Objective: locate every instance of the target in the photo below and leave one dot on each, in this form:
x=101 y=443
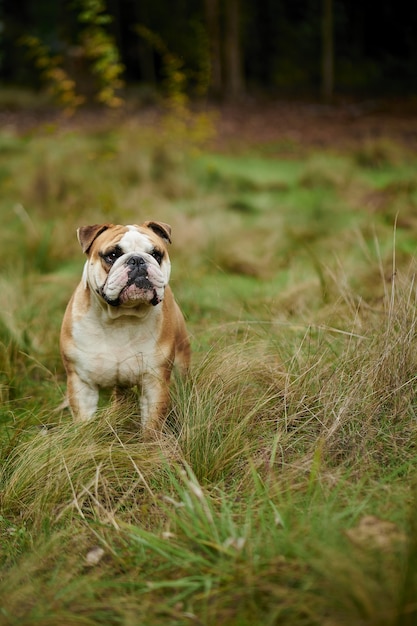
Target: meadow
x=283 y=488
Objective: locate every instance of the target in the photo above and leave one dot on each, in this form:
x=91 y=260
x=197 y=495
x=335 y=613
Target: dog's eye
x=111 y=256
x=157 y=255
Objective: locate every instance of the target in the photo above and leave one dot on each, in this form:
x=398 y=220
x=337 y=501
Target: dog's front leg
x=82 y=398
x=154 y=402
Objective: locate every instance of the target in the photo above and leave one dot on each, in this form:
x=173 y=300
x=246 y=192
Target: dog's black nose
x=137 y=269
x=136 y=261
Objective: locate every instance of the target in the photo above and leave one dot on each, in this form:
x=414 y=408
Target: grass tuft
x=221 y=412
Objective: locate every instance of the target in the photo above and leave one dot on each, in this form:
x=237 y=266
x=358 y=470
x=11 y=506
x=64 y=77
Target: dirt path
x=284 y=123
x=318 y=125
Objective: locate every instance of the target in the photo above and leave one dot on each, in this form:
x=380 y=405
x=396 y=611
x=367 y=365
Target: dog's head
x=127 y=266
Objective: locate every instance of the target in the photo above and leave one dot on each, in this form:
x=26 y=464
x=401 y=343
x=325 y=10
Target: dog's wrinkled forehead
x=128 y=239
x=135 y=241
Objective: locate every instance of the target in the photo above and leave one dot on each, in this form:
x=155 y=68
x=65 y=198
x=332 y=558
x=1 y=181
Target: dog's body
x=122 y=326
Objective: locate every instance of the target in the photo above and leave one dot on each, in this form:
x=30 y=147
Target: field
x=283 y=488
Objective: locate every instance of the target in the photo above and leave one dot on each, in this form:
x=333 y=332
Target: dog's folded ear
x=161 y=229
x=87 y=234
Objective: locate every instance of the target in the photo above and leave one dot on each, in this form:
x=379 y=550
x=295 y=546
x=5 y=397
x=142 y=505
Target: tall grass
x=282 y=489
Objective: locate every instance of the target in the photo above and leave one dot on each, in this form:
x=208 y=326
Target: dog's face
x=127 y=266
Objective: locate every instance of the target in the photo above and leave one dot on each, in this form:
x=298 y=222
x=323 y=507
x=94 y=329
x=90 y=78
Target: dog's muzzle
x=135 y=284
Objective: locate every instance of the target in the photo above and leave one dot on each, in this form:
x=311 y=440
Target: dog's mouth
x=137 y=289
x=133 y=294
x=133 y=282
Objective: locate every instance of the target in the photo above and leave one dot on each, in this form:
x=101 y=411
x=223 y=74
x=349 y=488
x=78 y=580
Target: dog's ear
x=87 y=234
x=161 y=229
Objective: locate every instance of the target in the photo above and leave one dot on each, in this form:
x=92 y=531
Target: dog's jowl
x=122 y=327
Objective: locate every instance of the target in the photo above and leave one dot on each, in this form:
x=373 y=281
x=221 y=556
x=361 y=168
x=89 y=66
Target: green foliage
x=175 y=77
x=101 y=51
x=98 y=48
x=60 y=85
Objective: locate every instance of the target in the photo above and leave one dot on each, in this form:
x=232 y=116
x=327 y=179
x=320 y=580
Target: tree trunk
x=327 y=58
x=144 y=51
x=213 y=30
x=232 y=51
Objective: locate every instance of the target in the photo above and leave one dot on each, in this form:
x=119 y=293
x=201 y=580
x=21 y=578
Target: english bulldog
x=122 y=326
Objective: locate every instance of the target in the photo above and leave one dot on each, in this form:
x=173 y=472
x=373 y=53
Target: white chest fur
x=111 y=352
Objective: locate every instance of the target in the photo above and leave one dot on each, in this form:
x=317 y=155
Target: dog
x=122 y=327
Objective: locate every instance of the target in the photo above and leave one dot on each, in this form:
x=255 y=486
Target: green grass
x=283 y=489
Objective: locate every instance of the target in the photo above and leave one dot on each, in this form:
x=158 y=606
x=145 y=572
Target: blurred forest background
x=226 y=49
